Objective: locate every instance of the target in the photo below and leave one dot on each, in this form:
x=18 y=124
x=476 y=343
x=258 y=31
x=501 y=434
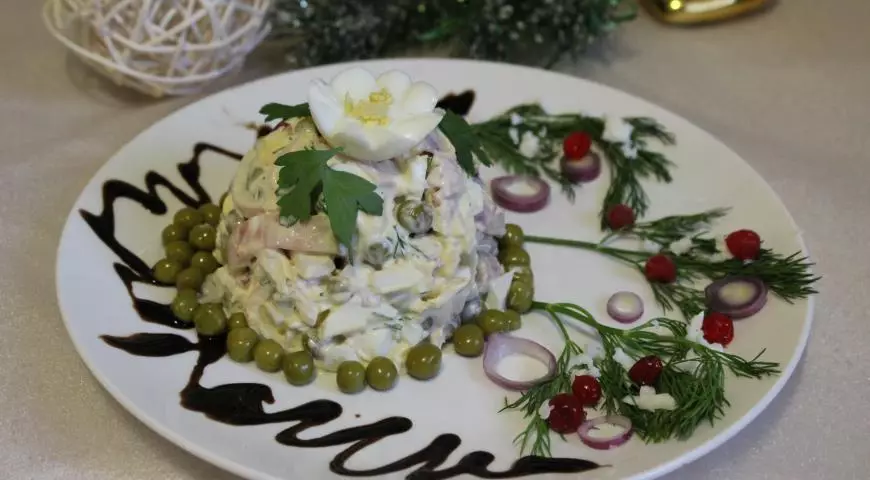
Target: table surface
x=786 y=89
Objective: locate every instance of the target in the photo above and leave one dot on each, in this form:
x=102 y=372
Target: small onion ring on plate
x=737 y=297
x=520 y=193
x=605 y=443
x=500 y=345
x=584 y=169
x=625 y=307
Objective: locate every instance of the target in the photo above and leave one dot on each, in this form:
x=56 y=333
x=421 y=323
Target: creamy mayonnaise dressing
x=299 y=288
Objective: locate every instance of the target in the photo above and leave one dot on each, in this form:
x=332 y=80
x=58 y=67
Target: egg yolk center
x=371 y=111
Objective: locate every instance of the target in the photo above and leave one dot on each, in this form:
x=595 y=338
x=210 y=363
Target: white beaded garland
x=160 y=47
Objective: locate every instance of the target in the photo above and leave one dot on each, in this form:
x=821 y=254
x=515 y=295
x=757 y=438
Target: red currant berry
x=660 y=268
x=566 y=413
x=619 y=216
x=718 y=328
x=743 y=244
x=576 y=145
x=587 y=389
x=646 y=370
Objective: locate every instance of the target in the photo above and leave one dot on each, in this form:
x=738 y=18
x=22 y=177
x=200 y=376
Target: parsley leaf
x=301 y=174
x=304 y=173
x=277 y=111
x=345 y=195
x=466 y=143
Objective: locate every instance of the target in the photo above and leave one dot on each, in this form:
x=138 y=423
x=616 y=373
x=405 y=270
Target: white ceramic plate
x=461 y=400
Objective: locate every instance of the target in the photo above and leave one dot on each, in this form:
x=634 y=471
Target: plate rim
x=206 y=455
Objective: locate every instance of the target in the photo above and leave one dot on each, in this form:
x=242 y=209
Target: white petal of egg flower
x=374 y=119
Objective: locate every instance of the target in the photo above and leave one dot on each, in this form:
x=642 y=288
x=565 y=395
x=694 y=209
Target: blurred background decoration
x=533 y=32
x=160 y=47
x=171 y=47
x=176 y=47
x=692 y=12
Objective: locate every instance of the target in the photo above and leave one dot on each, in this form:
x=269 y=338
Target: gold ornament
x=686 y=12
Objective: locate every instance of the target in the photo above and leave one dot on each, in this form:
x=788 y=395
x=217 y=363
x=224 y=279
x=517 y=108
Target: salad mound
x=413 y=273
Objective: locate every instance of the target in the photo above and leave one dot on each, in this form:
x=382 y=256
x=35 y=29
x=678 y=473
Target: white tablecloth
x=788 y=90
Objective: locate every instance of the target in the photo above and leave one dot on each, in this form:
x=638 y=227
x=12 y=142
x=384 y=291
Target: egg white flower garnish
x=374 y=119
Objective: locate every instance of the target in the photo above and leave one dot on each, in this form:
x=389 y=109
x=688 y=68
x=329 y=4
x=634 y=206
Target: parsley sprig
x=696 y=382
x=278 y=111
x=467 y=145
x=304 y=175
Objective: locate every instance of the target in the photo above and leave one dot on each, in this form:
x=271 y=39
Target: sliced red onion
x=605 y=443
x=737 y=297
x=520 y=193
x=625 y=307
x=500 y=345
x=583 y=169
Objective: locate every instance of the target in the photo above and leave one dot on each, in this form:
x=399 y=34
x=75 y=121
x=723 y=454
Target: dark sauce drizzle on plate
x=242 y=403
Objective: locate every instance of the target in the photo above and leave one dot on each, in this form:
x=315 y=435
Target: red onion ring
x=625 y=307
x=500 y=345
x=737 y=297
x=608 y=442
x=584 y=169
x=520 y=202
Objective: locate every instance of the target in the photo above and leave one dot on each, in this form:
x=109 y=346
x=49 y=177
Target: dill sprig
x=786 y=276
x=551 y=129
x=626 y=173
x=536 y=436
x=696 y=382
x=667 y=230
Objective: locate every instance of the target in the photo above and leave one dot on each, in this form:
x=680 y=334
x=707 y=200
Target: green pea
x=468 y=340
x=268 y=355
x=514 y=256
x=381 y=374
x=351 y=377
x=166 y=271
x=337 y=287
x=515 y=320
x=377 y=253
x=492 y=321
x=202 y=237
x=423 y=361
x=184 y=305
x=187 y=218
x=179 y=251
x=211 y=214
x=204 y=261
x=174 y=233
x=241 y=343
x=414 y=215
x=299 y=368
x=237 y=320
x=190 y=277
x=210 y=319
x=522 y=273
x=520 y=296
x=513 y=236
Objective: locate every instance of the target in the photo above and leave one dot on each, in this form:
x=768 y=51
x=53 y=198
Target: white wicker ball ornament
x=160 y=47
